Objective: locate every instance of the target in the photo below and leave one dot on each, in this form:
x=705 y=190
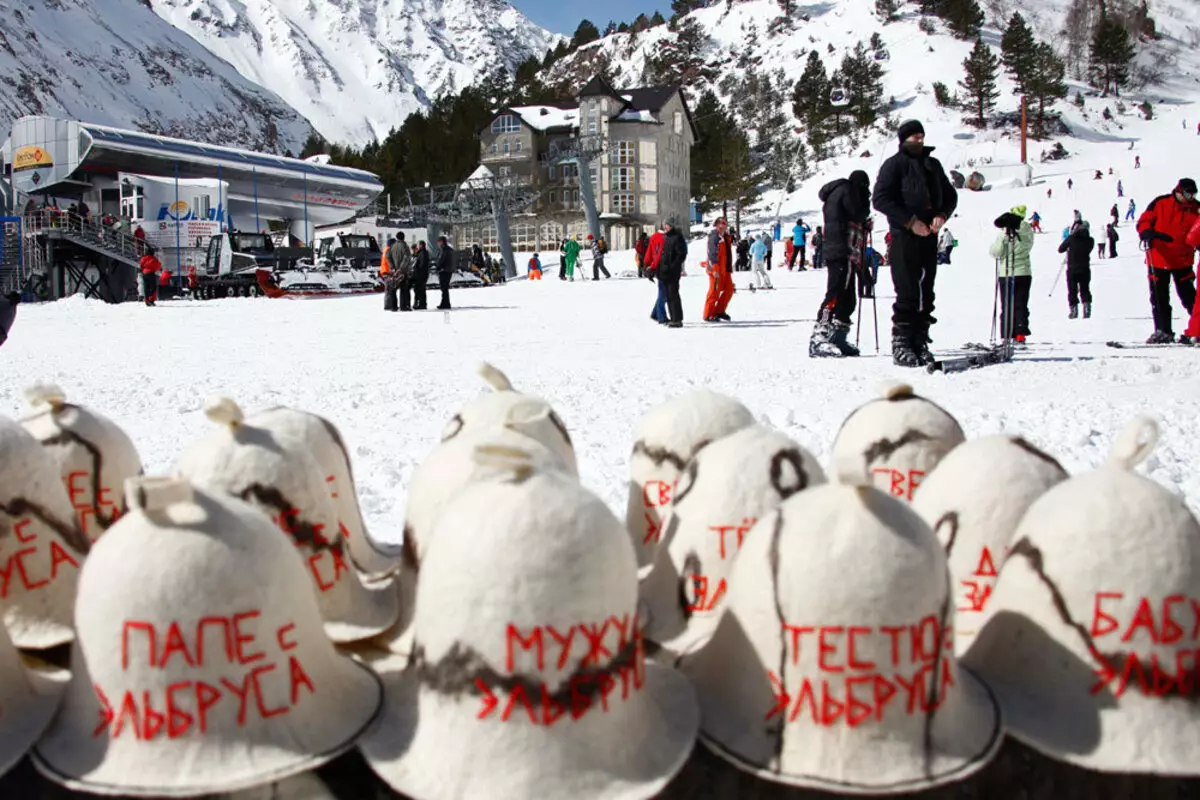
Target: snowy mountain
x=357 y=68
x=114 y=62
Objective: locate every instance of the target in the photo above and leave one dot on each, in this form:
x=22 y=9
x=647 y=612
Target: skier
x=1115 y=213
x=1012 y=249
x=799 y=237
x=720 y=283
x=743 y=254
x=150 y=265
x=759 y=252
x=653 y=257
x=1163 y=228
x=1099 y=247
x=445 y=268
x=477 y=262
x=1120 y=189
x=1129 y=212
x=1078 y=247
x=770 y=251
x=670 y=269
x=1137 y=161
x=598 y=250
x=570 y=258
x=562 y=260
x=847 y=203
x=1049 y=193
x=8 y=313
x=535 y=268
x=1113 y=238
x=945 y=245
x=1191 y=335
x=420 y=279
x=1036 y=222
x=1070 y=183
x=639 y=250
x=818 y=246
x=917 y=198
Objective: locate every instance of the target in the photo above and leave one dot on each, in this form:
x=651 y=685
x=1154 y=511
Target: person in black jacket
x=445 y=268
x=8 y=313
x=1078 y=247
x=670 y=269
x=917 y=198
x=847 y=206
x=420 y=276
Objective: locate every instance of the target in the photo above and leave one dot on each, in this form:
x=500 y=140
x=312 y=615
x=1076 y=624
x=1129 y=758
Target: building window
x=595 y=173
x=622 y=179
x=622 y=202
x=623 y=152
x=505 y=172
x=593 y=118
x=552 y=235
x=495 y=147
x=550 y=198
x=517 y=148
x=576 y=197
x=552 y=171
x=524 y=236
x=506 y=123
x=506 y=145
x=679 y=122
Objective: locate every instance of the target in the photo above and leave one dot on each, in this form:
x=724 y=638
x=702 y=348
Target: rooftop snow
x=542 y=118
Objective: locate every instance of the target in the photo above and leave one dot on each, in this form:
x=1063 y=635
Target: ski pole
x=995 y=303
x=1058 y=277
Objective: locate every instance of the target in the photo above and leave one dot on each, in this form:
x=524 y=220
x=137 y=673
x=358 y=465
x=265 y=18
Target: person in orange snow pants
x=720 y=281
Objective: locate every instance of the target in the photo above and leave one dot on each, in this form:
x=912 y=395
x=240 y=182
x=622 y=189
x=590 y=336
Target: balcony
x=520 y=155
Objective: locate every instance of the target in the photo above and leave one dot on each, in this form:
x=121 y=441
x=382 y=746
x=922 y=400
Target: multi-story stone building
x=643 y=172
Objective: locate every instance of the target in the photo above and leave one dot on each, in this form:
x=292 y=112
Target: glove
x=1164 y=237
x=652 y=274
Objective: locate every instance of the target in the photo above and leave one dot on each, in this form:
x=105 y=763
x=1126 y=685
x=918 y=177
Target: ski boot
x=1190 y=341
x=1161 y=337
x=841 y=330
x=821 y=345
x=1087 y=310
x=903 y=353
x=1075 y=312
x=921 y=342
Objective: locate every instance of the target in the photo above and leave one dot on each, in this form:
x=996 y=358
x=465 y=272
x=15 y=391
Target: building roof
x=545 y=118
x=649 y=98
x=598 y=86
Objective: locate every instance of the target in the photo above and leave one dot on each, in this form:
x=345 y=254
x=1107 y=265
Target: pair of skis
x=976 y=356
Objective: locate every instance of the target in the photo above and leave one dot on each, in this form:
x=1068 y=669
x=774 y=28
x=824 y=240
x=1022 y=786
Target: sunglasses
x=1187 y=195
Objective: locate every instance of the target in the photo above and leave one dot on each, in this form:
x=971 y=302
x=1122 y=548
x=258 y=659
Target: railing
x=517 y=156
x=83 y=230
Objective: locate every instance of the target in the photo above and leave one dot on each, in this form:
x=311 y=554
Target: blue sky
x=563 y=16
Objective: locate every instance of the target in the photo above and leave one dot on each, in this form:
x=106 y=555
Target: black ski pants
x=1014 y=301
x=1079 y=287
x=420 y=280
x=1160 y=294
x=149 y=287
x=444 y=284
x=840 y=295
x=597 y=268
x=405 y=287
x=390 y=302
x=1112 y=248
x=674 y=303
x=914 y=269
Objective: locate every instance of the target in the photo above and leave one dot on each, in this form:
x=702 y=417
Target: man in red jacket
x=653 y=253
x=150 y=266
x=720 y=264
x=1163 y=228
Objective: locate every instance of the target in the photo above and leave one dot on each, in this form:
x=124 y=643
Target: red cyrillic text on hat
x=898 y=483
x=854 y=688
x=1174 y=620
x=79 y=491
x=23 y=566
x=327 y=564
x=730 y=537
x=269 y=688
x=976 y=592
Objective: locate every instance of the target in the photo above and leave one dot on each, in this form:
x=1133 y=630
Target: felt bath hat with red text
x=41 y=546
x=528 y=657
x=898 y=438
x=973 y=500
x=94 y=456
x=666 y=438
x=252 y=463
x=505 y=407
x=299 y=429
x=1090 y=638
x=724 y=490
x=833 y=666
x=200 y=665
x=28 y=699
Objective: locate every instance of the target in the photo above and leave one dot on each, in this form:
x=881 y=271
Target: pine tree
x=1047 y=83
x=680 y=59
x=657 y=19
x=964 y=17
x=681 y=7
x=585 y=34
x=1017 y=51
x=1111 y=54
x=314 y=145
x=886 y=9
x=810 y=100
x=979 y=82
x=714 y=129
x=786 y=7
x=862 y=78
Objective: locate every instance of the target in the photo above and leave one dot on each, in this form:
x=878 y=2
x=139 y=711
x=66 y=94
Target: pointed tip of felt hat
x=224 y=411
x=494 y=377
x=851 y=470
x=1134 y=443
x=893 y=391
x=45 y=394
x=156 y=493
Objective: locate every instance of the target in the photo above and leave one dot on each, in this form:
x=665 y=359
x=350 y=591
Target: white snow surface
x=114 y=62
x=358 y=68
x=541 y=118
x=391 y=381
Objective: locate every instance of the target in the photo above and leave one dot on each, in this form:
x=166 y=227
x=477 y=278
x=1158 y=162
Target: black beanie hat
x=909 y=128
x=860 y=178
x=1187 y=185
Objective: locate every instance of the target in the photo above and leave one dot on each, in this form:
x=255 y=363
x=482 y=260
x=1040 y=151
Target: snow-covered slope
x=114 y=62
x=357 y=68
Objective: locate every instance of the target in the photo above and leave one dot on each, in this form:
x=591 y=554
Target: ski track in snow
x=391 y=381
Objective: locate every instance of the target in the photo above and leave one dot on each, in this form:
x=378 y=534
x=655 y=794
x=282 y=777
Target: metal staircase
x=87 y=233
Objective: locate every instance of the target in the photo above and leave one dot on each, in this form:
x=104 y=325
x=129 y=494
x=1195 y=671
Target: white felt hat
x=504 y=407
x=28 y=699
x=200 y=665
x=833 y=666
x=529 y=658
x=305 y=786
x=666 y=438
x=41 y=546
x=898 y=439
x=974 y=499
x=94 y=456
x=724 y=490
x=302 y=430
x=1090 y=636
x=251 y=463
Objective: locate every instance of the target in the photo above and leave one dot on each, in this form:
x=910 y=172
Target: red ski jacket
x=654 y=250
x=1193 y=237
x=149 y=264
x=1167 y=215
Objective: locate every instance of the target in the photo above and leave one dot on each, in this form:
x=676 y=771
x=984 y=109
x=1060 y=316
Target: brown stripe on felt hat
x=897 y=439
x=723 y=492
x=974 y=499
x=529 y=658
x=41 y=546
x=664 y=440
x=833 y=666
x=29 y=696
x=375 y=560
x=1090 y=637
x=251 y=462
x=201 y=665
x=94 y=456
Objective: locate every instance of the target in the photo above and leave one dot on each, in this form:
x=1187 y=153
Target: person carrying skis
x=670 y=269
x=1163 y=229
x=1012 y=250
x=847 y=203
x=653 y=259
x=150 y=266
x=598 y=251
x=572 y=256
x=1078 y=247
x=758 y=252
x=1113 y=237
x=1129 y=212
x=917 y=198
x=799 y=237
x=818 y=246
x=535 y=268
x=720 y=282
